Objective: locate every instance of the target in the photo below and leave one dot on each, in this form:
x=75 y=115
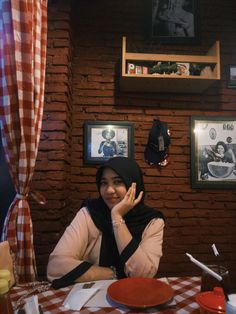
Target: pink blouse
x=81 y=241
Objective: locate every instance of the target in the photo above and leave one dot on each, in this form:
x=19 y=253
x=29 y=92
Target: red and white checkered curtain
x=23 y=37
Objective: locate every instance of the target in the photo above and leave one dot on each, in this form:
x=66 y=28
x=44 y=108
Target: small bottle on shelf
x=5 y=301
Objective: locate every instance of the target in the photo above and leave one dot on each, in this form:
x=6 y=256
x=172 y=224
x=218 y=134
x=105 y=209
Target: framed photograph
x=106 y=139
x=213 y=152
x=173 y=21
x=231 y=76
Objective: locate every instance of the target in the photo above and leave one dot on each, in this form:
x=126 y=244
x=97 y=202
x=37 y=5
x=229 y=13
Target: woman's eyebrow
x=116 y=177
x=113 y=178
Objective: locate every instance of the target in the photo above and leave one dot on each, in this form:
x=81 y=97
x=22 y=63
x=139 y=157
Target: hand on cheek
x=129 y=201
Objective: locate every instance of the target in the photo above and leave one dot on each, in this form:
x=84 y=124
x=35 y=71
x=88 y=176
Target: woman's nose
x=110 y=189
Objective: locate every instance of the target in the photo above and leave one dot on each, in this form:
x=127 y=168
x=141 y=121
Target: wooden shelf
x=165 y=82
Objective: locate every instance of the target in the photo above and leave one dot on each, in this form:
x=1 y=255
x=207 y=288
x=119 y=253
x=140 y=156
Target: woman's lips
x=112 y=199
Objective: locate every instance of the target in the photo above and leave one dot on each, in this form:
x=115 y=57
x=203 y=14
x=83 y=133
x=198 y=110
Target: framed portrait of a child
x=106 y=139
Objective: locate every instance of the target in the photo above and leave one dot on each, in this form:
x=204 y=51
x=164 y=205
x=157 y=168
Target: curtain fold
x=23 y=29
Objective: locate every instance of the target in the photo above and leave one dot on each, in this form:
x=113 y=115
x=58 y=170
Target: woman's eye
x=103 y=183
x=118 y=182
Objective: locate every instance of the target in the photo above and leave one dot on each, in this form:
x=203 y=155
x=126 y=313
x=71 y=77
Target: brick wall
x=84 y=53
x=52 y=173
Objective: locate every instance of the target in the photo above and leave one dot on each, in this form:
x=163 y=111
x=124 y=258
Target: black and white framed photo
x=106 y=139
x=173 y=21
x=231 y=76
x=213 y=152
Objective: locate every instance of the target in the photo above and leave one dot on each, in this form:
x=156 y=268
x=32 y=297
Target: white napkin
x=78 y=297
x=31 y=305
x=100 y=298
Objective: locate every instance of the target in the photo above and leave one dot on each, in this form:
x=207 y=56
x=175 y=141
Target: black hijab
x=136 y=219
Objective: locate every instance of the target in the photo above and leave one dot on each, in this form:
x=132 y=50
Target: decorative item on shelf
x=131 y=68
x=182 y=68
x=144 y=70
x=136 y=69
x=206 y=72
x=164 y=68
x=201 y=69
x=195 y=69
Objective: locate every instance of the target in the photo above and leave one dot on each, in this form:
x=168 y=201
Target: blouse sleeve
x=145 y=260
x=69 y=251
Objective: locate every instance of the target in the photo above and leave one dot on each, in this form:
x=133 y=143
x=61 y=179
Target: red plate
x=140 y=292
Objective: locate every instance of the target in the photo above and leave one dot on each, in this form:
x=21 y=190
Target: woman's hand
x=129 y=201
x=218 y=155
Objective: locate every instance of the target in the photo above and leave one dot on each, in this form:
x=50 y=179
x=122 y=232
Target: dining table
x=51 y=301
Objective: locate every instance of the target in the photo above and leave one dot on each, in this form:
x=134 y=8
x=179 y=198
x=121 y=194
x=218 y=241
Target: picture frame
x=106 y=139
x=173 y=21
x=213 y=152
x=231 y=76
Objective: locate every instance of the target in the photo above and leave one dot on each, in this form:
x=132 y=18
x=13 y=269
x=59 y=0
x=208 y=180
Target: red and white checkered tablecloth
x=185 y=289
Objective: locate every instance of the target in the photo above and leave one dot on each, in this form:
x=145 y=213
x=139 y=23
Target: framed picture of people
x=106 y=139
x=213 y=152
x=231 y=76
x=173 y=21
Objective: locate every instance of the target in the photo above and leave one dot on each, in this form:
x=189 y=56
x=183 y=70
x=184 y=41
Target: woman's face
x=220 y=149
x=112 y=188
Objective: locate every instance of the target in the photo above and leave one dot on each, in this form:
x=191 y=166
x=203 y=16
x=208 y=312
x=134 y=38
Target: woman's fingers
x=131 y=193
x=138 y=199
x=128 y=202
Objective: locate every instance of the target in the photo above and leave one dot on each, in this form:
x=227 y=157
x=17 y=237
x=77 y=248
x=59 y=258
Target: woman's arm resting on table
x=71 y=248
x=144 y=262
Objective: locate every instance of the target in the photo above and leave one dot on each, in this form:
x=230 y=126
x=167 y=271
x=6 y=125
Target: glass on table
x=208 y=282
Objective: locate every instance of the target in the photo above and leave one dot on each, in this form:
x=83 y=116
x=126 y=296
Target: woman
x=116 y=235
x=220 y=153
x=223 y=153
